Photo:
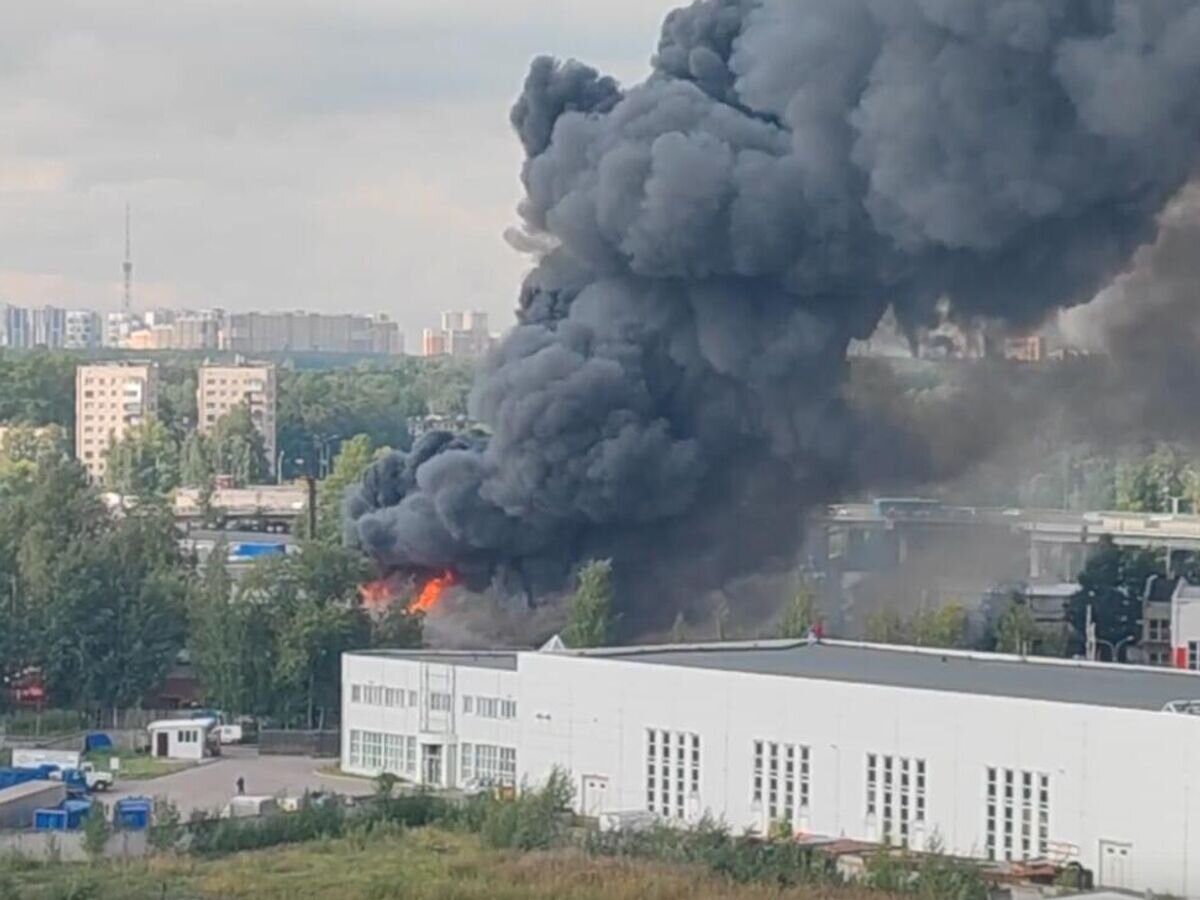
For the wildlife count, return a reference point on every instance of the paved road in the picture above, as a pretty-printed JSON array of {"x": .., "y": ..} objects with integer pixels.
[{"x": 211, "y": 784}]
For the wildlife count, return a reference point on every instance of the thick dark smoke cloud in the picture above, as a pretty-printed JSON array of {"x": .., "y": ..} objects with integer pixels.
[{"x": 671, "y": 395}]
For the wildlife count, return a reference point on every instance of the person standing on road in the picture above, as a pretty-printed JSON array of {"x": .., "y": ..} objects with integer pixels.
[{"x": 241, "y": 785}]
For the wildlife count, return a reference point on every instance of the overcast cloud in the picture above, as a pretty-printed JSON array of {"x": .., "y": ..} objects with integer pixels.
[{"x": 280, "y": 154}]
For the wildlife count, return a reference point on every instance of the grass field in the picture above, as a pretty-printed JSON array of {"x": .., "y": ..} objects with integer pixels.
[
  {"x": 421, "y": 864},
  {"x": 137, "y": 766}
]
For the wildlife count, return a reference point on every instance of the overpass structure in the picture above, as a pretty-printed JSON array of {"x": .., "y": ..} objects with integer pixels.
[
  {"x": 862, "y": 536},
  {"x": 272, "y": 508}
]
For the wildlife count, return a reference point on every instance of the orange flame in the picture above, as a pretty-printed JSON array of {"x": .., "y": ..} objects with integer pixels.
[{"x": 432, "y": 592}]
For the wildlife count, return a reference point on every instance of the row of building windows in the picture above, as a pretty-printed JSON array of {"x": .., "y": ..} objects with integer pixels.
[
  {"x": 1193, "y": 655},
  {"x": 489, "y": 707},
  {"x": 672, "y": 773},
  {"x": 895, "y": 795},
  {"x": 379, "y": 751},
  {"x": 488, "y": 764},
  {"x": 378, "y": 695},
  {"x": 1018, "y": 814},
  {"x": 781, "y": 776}
]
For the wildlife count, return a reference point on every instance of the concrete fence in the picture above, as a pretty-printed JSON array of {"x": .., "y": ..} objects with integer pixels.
[
  {"x": 273, "y": 742},
  {"x": 67, "y": 846}
]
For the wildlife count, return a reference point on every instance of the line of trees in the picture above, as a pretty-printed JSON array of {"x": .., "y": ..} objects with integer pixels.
[{"x": 101, "y": 605}]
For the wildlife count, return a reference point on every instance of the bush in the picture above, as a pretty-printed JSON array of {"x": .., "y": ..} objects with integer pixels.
[
  {"x": 535, "y": 819},
  {"x": 164, "y": 829},
  {"x": 312, "y": 821},
  {"x": 930, "y": 876},
  {"x": 781, "y": 863},
  {"x": 96, "y": 830}
]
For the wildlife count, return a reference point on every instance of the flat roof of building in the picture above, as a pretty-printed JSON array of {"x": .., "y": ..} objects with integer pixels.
[
  {"x": 505, "y": 660},
  {"x": 25, "y": 789},
  {"x": 988, "y": 674}
]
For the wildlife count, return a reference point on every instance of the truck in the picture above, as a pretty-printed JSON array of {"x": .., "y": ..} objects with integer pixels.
[{"x": 87, "y": 778}]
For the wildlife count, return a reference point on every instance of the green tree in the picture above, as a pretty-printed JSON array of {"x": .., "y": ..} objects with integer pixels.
[
  {"x": 177, "y": 399},
  {"x": 371, "y": 399},
  {"x": 1111, "y": 585},
  {"x": 34, "y": 444},
  {"x": 96, "y": 830},
  {"x": 114, "y": 619},
  {"x": 1016, "y": 630},
  {"x": 590, "y": 619},
  {"x": 38, "y": 388},
  {"x": 886, "y": 626},
  {"x": 217, "y": 632},
  {"x": 145, "y": 462},
  {"x": 800, "y": 614},
  {"x": 348, "y": 466},
  {"x": 195, "y": 464},
  {"x": 236, "y": 448},
  {"x": 945, "y": 626},
  {"x": 1155, "y": 483}
]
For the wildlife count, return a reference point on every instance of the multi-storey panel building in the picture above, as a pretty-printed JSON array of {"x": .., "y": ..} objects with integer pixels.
[
  {"x": 220, "y": 388},
  {"x": 110, "y": 399}
]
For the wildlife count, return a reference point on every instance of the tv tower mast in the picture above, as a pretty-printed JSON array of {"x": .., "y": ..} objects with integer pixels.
[{"x": 127, "y": 268}]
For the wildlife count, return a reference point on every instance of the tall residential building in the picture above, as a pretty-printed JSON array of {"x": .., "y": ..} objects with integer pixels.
[
  {"x": 83, "y": 329},
  {"x": 433, "y": 343},
  {"x": 14, "y": 326},
  {"x": 220, "y": 388},
  {"x": 48, "y": 326},
  {"x": 110, "y": 399},
  {"x": 117, "y": 326},
  {"x": 462, "y": 334},
  {"x": 310, "y": 332},
  {"x": 197, "y": 331}
]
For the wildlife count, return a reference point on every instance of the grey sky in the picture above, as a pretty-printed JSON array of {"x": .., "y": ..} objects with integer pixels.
[{"x": 310, "y": 154}]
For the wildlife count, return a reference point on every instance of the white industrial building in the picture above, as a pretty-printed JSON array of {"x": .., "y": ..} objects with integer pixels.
[{"x": 994, "y": 756}]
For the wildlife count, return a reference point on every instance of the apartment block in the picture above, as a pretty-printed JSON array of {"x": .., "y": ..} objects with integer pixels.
[
  {"x": 110, "y": 399},
  {"x": 83, "y": 330},
  {"x": 220, "y": 388},
  {"x": 463, "y": 334},
  {"x": 311, "y": 332}
]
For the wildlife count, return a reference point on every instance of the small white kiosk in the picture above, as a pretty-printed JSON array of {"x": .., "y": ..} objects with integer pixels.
[{"x": 181, "y": 738}]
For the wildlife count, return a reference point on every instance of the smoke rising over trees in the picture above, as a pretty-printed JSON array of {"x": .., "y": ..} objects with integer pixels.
[{"x": 712, "y": 239}]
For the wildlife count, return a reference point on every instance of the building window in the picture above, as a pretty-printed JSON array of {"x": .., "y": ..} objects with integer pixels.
[
  {"x": 1193, "y": 655},
  {"x": 412, "y": 698},
  {"x": 439, "y": 702},
  {"x": 781, "y": 773},
  {"x": 756, "y": 794},
  {"x": 898, "y": 797},
  {"x": 672, "y": 772},
  {"x": 1017, "y": 818},
  {"x": 489, "y": 764},
  {"x": 355, "y": 693},
  {"x": 393, "y": 753},
  {"x": 468, "y": 702}
]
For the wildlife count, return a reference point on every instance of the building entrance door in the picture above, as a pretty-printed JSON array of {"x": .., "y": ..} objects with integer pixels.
[
  {"x": 595, "y": 795},
  {"x": 160, "y": 744},
  {"x": 1116, "y": 865},
  {"x": 431, "y": 773}
]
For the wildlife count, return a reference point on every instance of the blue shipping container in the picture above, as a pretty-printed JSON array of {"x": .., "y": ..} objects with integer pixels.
[
  {"x": 97, "y": 740},
  {"x": 66, "y": 817},
  {"x": 254, "y": 551},
  {"x": 132, "y": 813}
]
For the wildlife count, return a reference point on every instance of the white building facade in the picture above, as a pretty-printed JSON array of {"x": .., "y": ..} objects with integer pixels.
[{"x": 993, "y": 757}]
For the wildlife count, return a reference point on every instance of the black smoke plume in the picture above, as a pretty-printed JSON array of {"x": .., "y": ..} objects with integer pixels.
[{"x": 716, "y": 235}]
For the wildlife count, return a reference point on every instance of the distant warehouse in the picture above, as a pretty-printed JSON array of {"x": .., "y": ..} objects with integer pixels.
[{"x": 993, "y": 756}]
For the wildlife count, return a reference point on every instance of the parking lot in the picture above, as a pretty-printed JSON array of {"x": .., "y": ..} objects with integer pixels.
[{"x": 210, "y": 784}]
